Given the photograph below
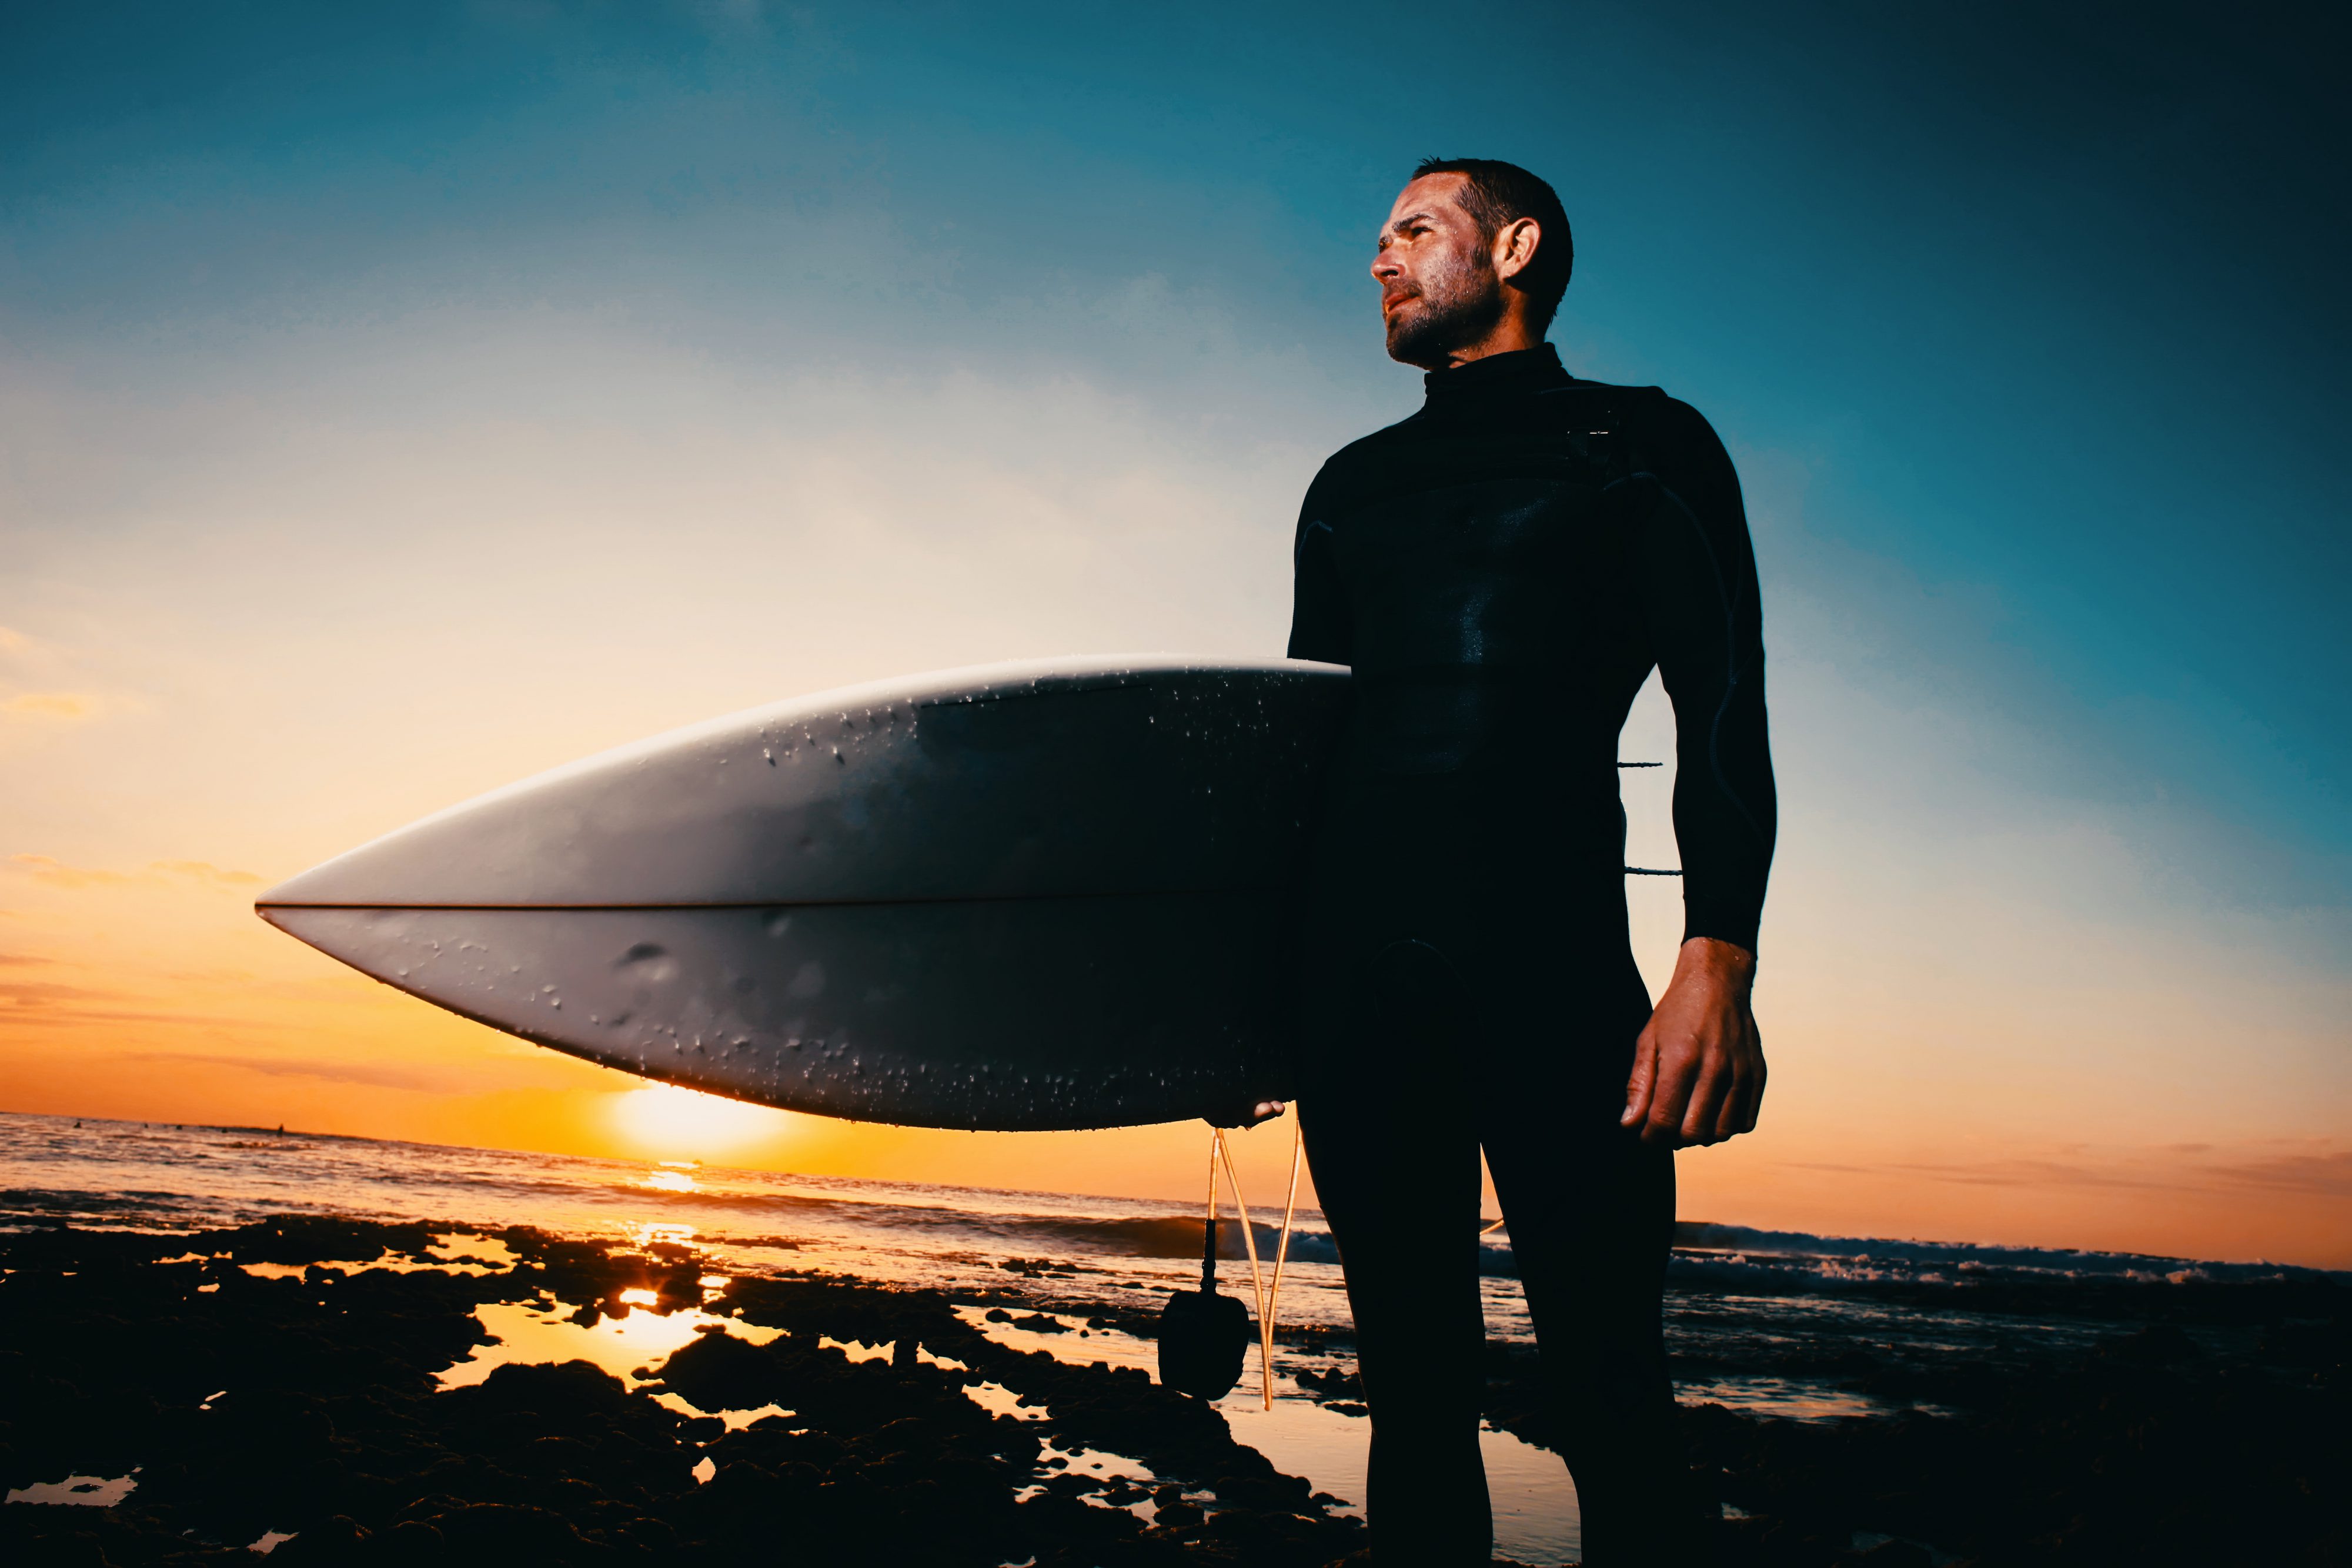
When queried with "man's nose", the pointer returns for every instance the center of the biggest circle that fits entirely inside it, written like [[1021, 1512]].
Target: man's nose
[[1385, 267]]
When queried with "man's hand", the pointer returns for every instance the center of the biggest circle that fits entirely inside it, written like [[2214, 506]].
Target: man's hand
[[1698, 1068]]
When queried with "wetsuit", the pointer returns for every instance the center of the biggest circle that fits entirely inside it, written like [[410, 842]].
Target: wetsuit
[[1502, 571]]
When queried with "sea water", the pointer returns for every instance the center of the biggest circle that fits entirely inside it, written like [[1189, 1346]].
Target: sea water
[[1757, 1321]]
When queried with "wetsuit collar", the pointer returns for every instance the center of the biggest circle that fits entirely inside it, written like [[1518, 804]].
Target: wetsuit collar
[[1518, 374]]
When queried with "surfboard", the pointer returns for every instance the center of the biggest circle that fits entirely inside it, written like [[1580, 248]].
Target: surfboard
[[1025, 896]]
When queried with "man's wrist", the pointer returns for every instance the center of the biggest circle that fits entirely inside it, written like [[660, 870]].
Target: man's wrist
[[1716, 959]]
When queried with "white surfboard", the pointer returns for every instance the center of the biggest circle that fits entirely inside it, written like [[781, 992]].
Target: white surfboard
[[1041, 896]]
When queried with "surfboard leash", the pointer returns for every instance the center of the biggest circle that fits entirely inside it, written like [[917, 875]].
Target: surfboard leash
[[1282, 1247], [1209, 1241], [1219, 1150], [1249, 1240]]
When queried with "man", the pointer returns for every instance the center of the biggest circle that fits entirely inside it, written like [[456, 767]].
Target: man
[[1502, 571]]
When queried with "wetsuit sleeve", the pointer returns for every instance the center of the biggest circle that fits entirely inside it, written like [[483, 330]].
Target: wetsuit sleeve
[[1321, 625], [1708, 633]]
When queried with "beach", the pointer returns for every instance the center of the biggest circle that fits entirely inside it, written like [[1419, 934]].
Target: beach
[[223, 1341]]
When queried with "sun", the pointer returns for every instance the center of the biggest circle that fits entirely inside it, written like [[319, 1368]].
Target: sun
[[671, 1122]]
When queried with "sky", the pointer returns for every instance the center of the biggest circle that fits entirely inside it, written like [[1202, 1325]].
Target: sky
[[397, 400]]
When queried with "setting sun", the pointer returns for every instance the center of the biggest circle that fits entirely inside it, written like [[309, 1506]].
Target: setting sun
[[665, 1120]]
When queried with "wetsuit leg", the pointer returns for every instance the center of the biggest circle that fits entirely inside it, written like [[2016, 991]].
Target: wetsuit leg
[[1394, 1151], [1591, 1215]]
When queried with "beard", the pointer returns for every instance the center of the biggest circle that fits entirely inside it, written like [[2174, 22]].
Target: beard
[[1460, 304]]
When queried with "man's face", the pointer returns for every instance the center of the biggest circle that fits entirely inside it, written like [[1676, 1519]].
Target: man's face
[[1436, 273]]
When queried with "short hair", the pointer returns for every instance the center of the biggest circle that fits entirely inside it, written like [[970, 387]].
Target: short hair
[[1495, 193]]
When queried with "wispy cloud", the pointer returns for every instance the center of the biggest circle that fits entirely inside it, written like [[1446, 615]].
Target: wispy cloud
[[205, 871], [45, 994], [61, 705], [2326, 1174], [42, 685], [417, 1080], [54, 1004], [2321, 1171], [55, 872]]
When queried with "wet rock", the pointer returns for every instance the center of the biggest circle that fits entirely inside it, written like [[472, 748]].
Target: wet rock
[[2157, 1344], [334, 1541], [567, 1391]]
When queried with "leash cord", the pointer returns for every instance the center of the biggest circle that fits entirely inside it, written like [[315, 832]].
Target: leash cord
[[1267, 1295], [1257, 1282]]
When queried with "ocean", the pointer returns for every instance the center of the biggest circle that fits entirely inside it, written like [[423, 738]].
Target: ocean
[[1806, 1328]]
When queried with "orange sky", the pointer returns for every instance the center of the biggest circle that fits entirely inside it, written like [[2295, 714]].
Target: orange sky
[[147, 989]]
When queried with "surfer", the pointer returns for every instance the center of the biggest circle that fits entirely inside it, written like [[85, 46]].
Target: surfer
[[1502, 571]]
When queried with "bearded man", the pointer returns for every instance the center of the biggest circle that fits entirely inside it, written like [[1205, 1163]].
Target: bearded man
[[1503, 570]]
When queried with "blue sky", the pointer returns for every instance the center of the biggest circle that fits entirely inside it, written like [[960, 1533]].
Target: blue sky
[[2049, 302], [2026, 330]]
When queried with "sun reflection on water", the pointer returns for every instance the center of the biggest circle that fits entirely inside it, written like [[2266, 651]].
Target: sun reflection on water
[[543, 1332]]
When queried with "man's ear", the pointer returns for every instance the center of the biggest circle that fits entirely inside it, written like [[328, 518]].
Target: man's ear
[[1515, 246]]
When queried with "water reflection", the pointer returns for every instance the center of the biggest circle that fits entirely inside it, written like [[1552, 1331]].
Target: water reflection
[[548, 1330], [1536, 1514], [464, 1251], [857, 1349], [999, 1400], [1796, 1399], [86, 1492], [455, 1252], [1111, 1481]]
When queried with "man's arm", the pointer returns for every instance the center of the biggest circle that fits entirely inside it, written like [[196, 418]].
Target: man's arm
[[1698, 1068], [1321, 625], [1321, 628]]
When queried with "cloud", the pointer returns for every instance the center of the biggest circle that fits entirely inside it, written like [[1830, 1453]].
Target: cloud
[[63, 705], [8, 960], [2324, 1175], [48, 1002], [36, 693], [35, 1002], [2042, 1173], [410, 1080], [55, 873], [205, 871], [2322, 1172], [42, 993]]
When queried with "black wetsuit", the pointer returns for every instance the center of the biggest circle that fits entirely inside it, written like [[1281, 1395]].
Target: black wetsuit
[[1502, 571]]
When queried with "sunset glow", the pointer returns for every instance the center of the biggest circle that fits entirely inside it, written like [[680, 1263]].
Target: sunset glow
[[669, 1121]]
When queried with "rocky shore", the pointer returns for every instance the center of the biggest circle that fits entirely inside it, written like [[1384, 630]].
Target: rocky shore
[[189, 1398]]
